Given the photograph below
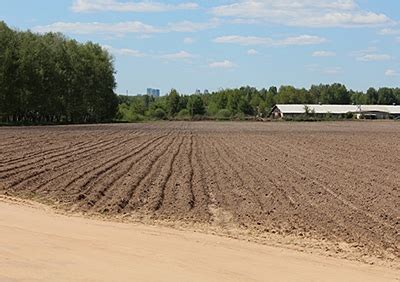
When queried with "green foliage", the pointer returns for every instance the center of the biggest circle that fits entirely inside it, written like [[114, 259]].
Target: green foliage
[[372, 96], [173, 103], [159, 114], [196, 105], [51, 79], [224, 114], [184, 114], [239, 116], [386, 96], [245, 107], [248, 102], [125, 114]]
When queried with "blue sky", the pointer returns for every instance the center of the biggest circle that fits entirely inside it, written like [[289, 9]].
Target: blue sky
[[191, 45]]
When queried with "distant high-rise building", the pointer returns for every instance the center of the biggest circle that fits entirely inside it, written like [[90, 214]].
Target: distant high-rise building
[[153, 92], [206, 92], [198, 92]]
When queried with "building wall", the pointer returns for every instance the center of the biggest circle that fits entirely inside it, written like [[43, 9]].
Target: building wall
[[278, 114], [372, 115]]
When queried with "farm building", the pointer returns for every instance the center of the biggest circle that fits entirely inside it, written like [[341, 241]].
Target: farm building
[[358, 111]]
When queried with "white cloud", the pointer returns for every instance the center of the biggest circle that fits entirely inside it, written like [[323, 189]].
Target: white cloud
[[302, 40], [374, 57], [188, 26], [182, 55], [312, 67], [117, 6], [392, 73], [226, 64], [332, 70], [369, 50], [324, 70], [252, 52], [189, 40], [306, 13], [243, 40], [123, 28], [389, 31], [124, 51], [324, 54], [98, 28], [254, 40], [371, 54]]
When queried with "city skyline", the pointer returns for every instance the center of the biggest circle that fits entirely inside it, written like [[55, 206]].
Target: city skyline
[[189, 45]]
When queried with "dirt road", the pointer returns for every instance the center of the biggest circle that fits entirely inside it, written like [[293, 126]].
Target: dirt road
[[36, 244]]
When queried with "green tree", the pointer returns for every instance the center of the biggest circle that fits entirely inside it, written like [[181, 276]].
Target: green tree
[[196, 105], [372, 96], [49, 78], [386, 96], [173, 103]]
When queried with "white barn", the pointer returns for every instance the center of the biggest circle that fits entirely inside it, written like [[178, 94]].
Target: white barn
[[359, 111]]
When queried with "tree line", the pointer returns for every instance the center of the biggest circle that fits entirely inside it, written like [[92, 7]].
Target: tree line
[[246, 101], [52, 79]]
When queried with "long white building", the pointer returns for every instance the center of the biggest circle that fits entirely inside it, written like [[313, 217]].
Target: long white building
[[359, 111]]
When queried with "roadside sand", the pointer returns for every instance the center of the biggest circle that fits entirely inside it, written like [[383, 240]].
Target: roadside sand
[[37, 244]]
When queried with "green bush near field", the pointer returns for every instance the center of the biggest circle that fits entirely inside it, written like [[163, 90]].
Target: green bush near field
[[223, 114]]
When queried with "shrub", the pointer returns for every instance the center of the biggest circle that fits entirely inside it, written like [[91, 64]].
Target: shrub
[[224, 114], [159, 114], [240, 116], [136, 118], [184, 113]]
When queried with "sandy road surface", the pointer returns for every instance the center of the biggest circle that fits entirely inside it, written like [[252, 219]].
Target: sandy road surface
[[36, 244]]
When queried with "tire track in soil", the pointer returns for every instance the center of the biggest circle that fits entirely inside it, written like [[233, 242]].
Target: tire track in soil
[[201, 208], [217, 203], [86, 147], [44, 141], [111, 154], [190, 182], [81, 174], [265, 196], [146, 192], [125, 175], [40, 156], [159, 205], [279, 207], [340, 161], [63, 162], [319, 182], [105, 167], [121, 200], [35, 153], [229, 204], [365, 222], [344, 227], [179, 198], [248, 184]]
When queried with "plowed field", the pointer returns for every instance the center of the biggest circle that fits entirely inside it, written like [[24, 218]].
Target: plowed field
[[338, 182]]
